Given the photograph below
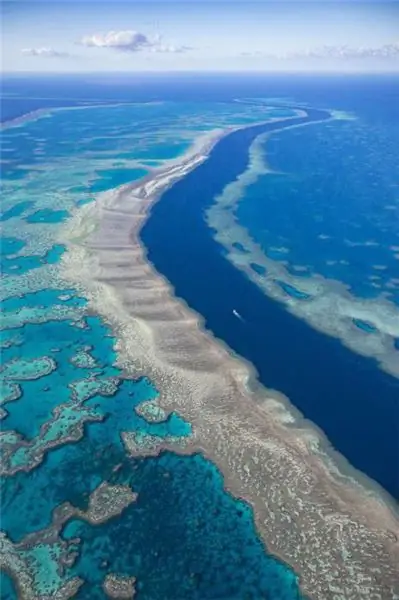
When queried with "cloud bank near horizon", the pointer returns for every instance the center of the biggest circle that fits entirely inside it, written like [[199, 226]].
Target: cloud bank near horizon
[[131, 41], [127, 41], [386, 51]]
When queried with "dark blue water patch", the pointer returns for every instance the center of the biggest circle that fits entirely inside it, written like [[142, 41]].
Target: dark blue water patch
[[47, 216], [11, 245], [343, 393], [364, 325], [258, 268], [184, 537], [292, 291], [240, 247], [16, 210], [7, 587]]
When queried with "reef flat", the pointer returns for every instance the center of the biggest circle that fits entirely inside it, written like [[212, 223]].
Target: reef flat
[[338, 533]]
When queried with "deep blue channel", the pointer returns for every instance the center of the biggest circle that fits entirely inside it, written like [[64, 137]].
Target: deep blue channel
[[346, 395]]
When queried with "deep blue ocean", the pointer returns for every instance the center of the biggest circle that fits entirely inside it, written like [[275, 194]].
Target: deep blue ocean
[[218, 554]]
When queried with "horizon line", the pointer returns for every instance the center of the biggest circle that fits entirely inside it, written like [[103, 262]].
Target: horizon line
[[199, 72]]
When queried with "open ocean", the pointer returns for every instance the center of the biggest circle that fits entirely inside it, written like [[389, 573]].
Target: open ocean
[[55, 355]]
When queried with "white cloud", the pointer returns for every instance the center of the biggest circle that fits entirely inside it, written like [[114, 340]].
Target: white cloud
[[45, 52], [125, 41], [130, 41]]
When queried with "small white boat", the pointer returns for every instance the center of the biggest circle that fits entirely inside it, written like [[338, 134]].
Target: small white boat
[[237, 314]]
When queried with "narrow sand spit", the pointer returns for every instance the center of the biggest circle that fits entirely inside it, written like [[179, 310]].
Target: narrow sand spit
[[339, 534]]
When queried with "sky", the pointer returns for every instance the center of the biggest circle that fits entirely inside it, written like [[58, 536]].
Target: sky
[[205, 35]]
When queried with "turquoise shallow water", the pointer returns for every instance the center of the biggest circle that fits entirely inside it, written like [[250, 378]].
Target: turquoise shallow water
[[196, 525], [184, 537], [76, 470], [16, 210], [48, 216], [7, 588], [11, 245], [60, 340], [114, 177]]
